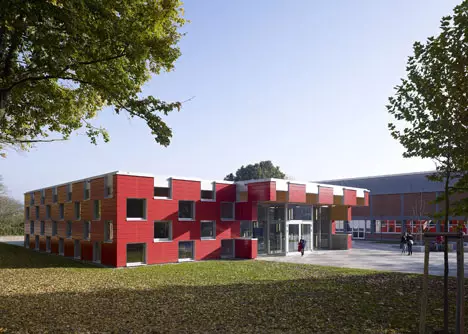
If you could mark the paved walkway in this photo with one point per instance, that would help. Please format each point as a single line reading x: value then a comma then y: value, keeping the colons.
x: 369, y: 255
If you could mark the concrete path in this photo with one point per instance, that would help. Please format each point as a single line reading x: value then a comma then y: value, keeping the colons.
x: 369, y: 255
x: 13, y: 240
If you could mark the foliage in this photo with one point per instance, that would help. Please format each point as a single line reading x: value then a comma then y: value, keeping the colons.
x: 61, y: 62
x: 260, y: 170
x: 11, y: 214
x: 206, y: 297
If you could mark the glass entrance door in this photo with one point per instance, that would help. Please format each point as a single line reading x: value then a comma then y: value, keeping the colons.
x: 259, y: 232
x: 358, y: 228
x: 276, y: 238
x: 293, y: 237
x: 306, y: 235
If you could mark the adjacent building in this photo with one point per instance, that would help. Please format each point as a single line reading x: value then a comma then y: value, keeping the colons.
x: 398, y: 203
x: 124, y: 219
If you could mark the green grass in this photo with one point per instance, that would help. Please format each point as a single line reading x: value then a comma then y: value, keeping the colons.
x: 46, y: 293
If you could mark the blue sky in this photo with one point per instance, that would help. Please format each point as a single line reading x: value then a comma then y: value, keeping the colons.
x: 301, y: 83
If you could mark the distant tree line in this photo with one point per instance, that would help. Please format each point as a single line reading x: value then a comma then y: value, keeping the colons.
x: 11, y: 214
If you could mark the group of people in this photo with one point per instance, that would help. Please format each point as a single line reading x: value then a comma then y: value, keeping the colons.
x: 406, y: 243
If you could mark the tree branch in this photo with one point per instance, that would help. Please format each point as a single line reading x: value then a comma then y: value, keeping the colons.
x: 15, y: 40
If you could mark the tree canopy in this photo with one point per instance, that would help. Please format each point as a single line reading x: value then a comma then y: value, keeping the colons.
x: 61, y: 62
x: 11, y: 214
x: 260, y: 170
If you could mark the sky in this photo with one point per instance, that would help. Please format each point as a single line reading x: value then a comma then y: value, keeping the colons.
x: 301, y: 83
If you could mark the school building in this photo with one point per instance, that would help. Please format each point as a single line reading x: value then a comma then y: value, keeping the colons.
x: 123, y: 219
x: 398, y: 203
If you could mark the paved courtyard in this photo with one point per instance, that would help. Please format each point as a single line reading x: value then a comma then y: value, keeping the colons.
x: 370, y: 255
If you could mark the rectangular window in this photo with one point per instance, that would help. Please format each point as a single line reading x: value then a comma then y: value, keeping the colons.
x: 186, y: 210
x: 69, y: 192
x: 37, y: 212
x: 42, y: 196
x: 108, y: 185
x: 136, y: 253
x: 246, y: 230
x: 108, y: 231
x: 208, y: 230
x: 62, y: 211
x: 186, y: 251
x: 26, y: 213
x: 97, y: 210
x: 54, y: 228
x: 31, y: 227
x: 69, y: 229
x: 162, y: 231
x: 208, y: 195
x: 86, y: 230
x: 136, y: 209
x: 61, y: 246
x: 377, y: 226
x: 77, y: 210
x: 31, y: 201
x: 87, y: 190
x: 42, y: 227
x: 54, y: 195
x: 164, y: 192
x: 227, y: 211
x: 48, y: 244
x: 47, y: 211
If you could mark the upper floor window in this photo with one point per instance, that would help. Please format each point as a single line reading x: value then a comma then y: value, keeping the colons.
x: 69, y: 229
x: 186, y: 210
x: 208, y: 230
x: 42, y: 227
x: 54, y: 195
x: 162, y: 231
x: 162, y: 189
x: 26, y: 212
x: 208, y: 191
x: 48, y: 211
x: 31, y: 227
x: 136, y: 208
x: 37, y: 212
x: 97, y: 210
x: 54, y: 228
x: 87, y: 190
x: 69, y: 192
x: 42, y: 196
x: 31, y: 199
x: 227, y: 211
x: 108, y: 185
x: 246, y: 230
x: 108, y: 231
x: 86, y: 230
x: 62, y: 211
x: 77, y: 210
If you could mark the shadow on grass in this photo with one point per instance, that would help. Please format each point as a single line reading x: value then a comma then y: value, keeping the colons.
x: 376, y: 303
x: 16, y: 257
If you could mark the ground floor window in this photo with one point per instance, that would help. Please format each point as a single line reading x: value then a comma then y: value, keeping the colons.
x: 77, y: 249
x: 246, y: 230
x: 339, y: 226
x: 227, y: 248
x: 186, y: 250
x: 36, y: 246
x: 136, y: 253
x: 97, y: 252
x: 48, y: 244
x: 26, y: 241
x: 61, y: 246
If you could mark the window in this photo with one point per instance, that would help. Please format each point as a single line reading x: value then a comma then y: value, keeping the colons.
x: 69, y: 229
x: 77, y: 210
x: 377, y: 226
x: 77, y: 250
x: 42, y: 196
x: 208, y: 195
x: 31, y: 227
x: 37, y: 243
x: 186, y: 250
x: 61, y: 211
x: 339, y: 226
x: 42, y: 227
x: 398, y: 226
x: 108, y: 231
x: 136, y: 209
x: 31, y: 200
x: 298, y: 212
x: 162, y: 231
x: 164, y: 192
x: 47, y: 211
x: 86, y: 230
x: 37, y: 212
x: 227, y: 211
x: 69, y: 192
x: 97, y: 210
x: 48, y: 245
x: 54, y: 195
x: 61, y: 247
x: 87, y: 190
x: 136, y: 253
x: 26, y: 213
x: 54, y: 228
x: 208, y: 230
x: 26, y: 241
x: 186, y: 210
x: 108, y: 185
x: 246, y: 230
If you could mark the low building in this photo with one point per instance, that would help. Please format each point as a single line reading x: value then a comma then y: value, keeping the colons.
x: 123, y: 219
x: 398, y: 203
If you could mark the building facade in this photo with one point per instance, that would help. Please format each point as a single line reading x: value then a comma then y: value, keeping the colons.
x: 398, y: 203
x: 123, y: 219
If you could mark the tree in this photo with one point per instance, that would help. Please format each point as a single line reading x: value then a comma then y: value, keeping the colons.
x: 260, y: 170
x: 11, y: 214
x: 430, y: 106
x: 61, y: 62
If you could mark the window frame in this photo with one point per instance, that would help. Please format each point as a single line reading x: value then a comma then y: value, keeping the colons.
x: 27, y: 213
x: 54, y: 195
x: 96, y: 217
x: 37, y: 212
x: 69, y: 229
x: 31, y: 227
x: 233, y: 212
x: 48, y: 211
x: 69, y: 192
x: 191, y: 219
x: 193, y: 251
x: 163, y: 197
x: 61, y: 211
x: 250, y: 229
x: 87, y: 190
x: 108, y: 186
x: 87, y: 236
x: 42, y: 196
x: 77, y: 215
x: 213, y: 225
x: 169, y: 239
x: 54, y: 228
x: 42, y: 228
x: 145, y: 210
x: 108, y: 231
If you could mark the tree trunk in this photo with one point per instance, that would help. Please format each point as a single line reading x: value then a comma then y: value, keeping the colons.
x: 446, y: 266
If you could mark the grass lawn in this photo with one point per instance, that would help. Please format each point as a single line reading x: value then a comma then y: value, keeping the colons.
x: 40, y: 292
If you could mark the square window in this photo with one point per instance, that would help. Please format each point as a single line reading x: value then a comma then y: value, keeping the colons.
x: 37, y: 212
x: 97, y: 210
x: 136, y: 209
x: 86, y: 230
x: 69, y: 229
x: 246, y: 230
x: 47, y: 211
x: 77, y: 210
x: 42, y: 228
x: 54, y: 228
x: 136, y: 253
x: 186, y: 210
x: 61, y: 211
x: 162, y: 231
x: 164, y: 192
x: 208, y: 195
x: 108, y: 231
x: 227, y: 211
x: 186, y: 250
x: 208, y: 230
x: 31, y: 227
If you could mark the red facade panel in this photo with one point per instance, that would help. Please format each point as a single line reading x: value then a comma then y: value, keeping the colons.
x: 325, y: 195
x: 246, y: 211
x: 246, y: 248
x: 349, y: 197
x: 297, y: 193
x: 186, y: 190
x: 261, y: 191
x: 366, y: 198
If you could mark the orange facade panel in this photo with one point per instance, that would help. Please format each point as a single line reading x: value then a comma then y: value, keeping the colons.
x: 325, y: 195
x: 297, y: 193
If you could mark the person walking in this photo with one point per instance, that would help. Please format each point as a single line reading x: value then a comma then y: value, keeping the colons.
x: 301, y: 246
x: 403, y: 242
x: 410, y: 242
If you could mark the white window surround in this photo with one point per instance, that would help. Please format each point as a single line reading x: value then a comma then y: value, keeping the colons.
x: 136, y: 219
x: 213, y: 222
x: 163, y: 198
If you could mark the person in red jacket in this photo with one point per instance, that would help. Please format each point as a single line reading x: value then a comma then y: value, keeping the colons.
x: 301, y: 246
